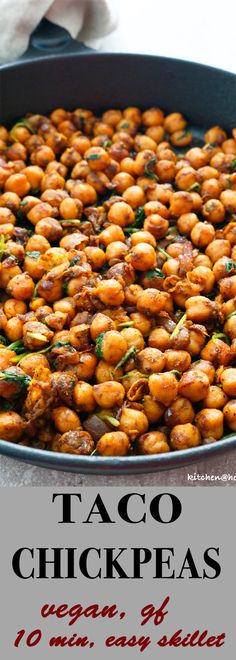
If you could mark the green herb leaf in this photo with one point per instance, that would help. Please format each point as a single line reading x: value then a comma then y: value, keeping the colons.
x: 230, y: 315
x: 178, y: 326
x: 35, y: 294
x: 129, y: 354
x: 17, y: 346
x: 148, y: 171
x: 3, y: 248
x: 176, y: 373
x: 183, y: 134
x: 65, y: 289
x: 163, y: 252
x: 108, y: 418
x: 57, y: 344
x: 22, y: 122
x: 233, y: 165
x: 228, y: 184
x: 74, y: 261
x: 3, y: 340
x: 23, y: 380
x: 126, y: 324
x: 138, y: 222
x: 222, y: 336
x: 34, y: 254
x: 107, y: 144
x: 134, y: 373
x: 99, y: 342
x: 195, y: 187
x: 230, y: 265
x: 93, y: 157
x: 156, y: 272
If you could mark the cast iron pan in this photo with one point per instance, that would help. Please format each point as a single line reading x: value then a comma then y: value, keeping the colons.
x: 57, y: 71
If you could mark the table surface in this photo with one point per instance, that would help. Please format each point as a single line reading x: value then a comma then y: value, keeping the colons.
x: 197, y: 36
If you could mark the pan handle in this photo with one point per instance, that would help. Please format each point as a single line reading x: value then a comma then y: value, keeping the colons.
x: 51, y: 39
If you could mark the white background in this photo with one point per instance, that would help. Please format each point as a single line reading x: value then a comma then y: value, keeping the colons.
x: 203, y: 31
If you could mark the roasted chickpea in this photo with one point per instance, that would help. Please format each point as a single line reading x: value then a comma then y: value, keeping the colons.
x: 115, y: 443
x: 154, y: 442
x: 111, y: 346
x: 109, y: 394
x: 217, y: 352
x: 11, y: 426
x: 65, y: 419
x: 116, y: 250
x: 142, y: 257
x: 151, y: 360
x: 21, y: 287
x: 184, y: 436
x: 210, y: 423
x: 133, y: 422
x: 163, y: 387
x: 179, y: 412
x: 215, y: 398
x: 121, y: 214
x: 151, y: 301
x: 110, y: 292
x: 159, y: 338
x: 177, y: 360
x: 230, y: 414
x: 200, y: 309
x: 75, y: 442
x: 133, y: 337
x: 194, y: 385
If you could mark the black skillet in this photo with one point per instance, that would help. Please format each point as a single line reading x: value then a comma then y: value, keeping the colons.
x: 55, y: 72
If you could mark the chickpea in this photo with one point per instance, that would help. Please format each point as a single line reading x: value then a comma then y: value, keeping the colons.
x: 151, y: 360
x: 156, y: 133
x: 13, y: 307
x: 179, y: 412
x: 11, y: 426
x: 218, y: 248
x: 177, y: 360
x: 112, y: 347
x: 153, y: 409
x: 50, y: 228
x: 14, y: 329
x: 86, y: 366
x: 202, y: 234
x: 110, y: 292
x: 206, y: 367
x: 116, y: 250
x: 100, y: 323
x: 83, y: 397
x: 186, y: 222
x: 37, y: 243
x: 122, y: 181
x: 194, y: 385
x: 109, y: 394
x: 204, y: 277
x: 197, y: 336
x: 157, y: 225
x: 75, y: 442
x: 115, y: 443
x: 181, y: 202
x: 141, y: 323
x: 163, y: 387
x: 230, y: 414
x: 111, y: 234
x: 154, y: 442
x: 159, y: 338
x: 84, y: 192
x: 174, y: 122
x: 6, y: 356
x: 214, y: 211
x: 18, y: 184
x: 31, y: 363
x: 228, y: 199
x: 215, y: 135
x: 228, y: 380
x: 21, y: 287
x: 6, y: 216
x: 133, y: 337
x: 230, y: 328
x: 197, y: 157
x: 215, y: 398
x: 166, y: 170
x: 134, y: 196
x: 152, y: 301
x: 210, y: 423
x: 121, y: 214
x: 133, y: 422
x: 105, y: 372
x: 200, y: 309
x: 184, y: 436
x: 65, y: 419
x: 142, y: 257
x: 211, y: 190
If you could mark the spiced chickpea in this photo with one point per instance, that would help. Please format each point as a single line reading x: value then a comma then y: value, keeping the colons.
x: 159, y: 338
x: 210, y: 423
x: 109, y: 394
x: 115, y: 443
x: 218, y: 248
x: 186, y: 222
x: 230, y: 414
x: 205, y: 366
x: 194, y: 385
x: 154, y: 442
x: 216, y: 398
x: 180, y: 411
x: 151, y: 301
x: 200, y: 309
x: 133, y: 422
x: 65, y: 419
x: 11, y: 426
x: 110, y: 292
x: 142, y: 257
x: 163, y: 387
x: 151, y: 360
x: 184, y: 436
x: 133, y: 337
x: 121, y: 214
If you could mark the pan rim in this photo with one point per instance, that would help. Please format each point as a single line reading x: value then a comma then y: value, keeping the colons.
x: 111, y: 54
x: 115, y: 464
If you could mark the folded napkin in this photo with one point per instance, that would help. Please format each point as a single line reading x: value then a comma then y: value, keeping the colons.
x: 84, y: 19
